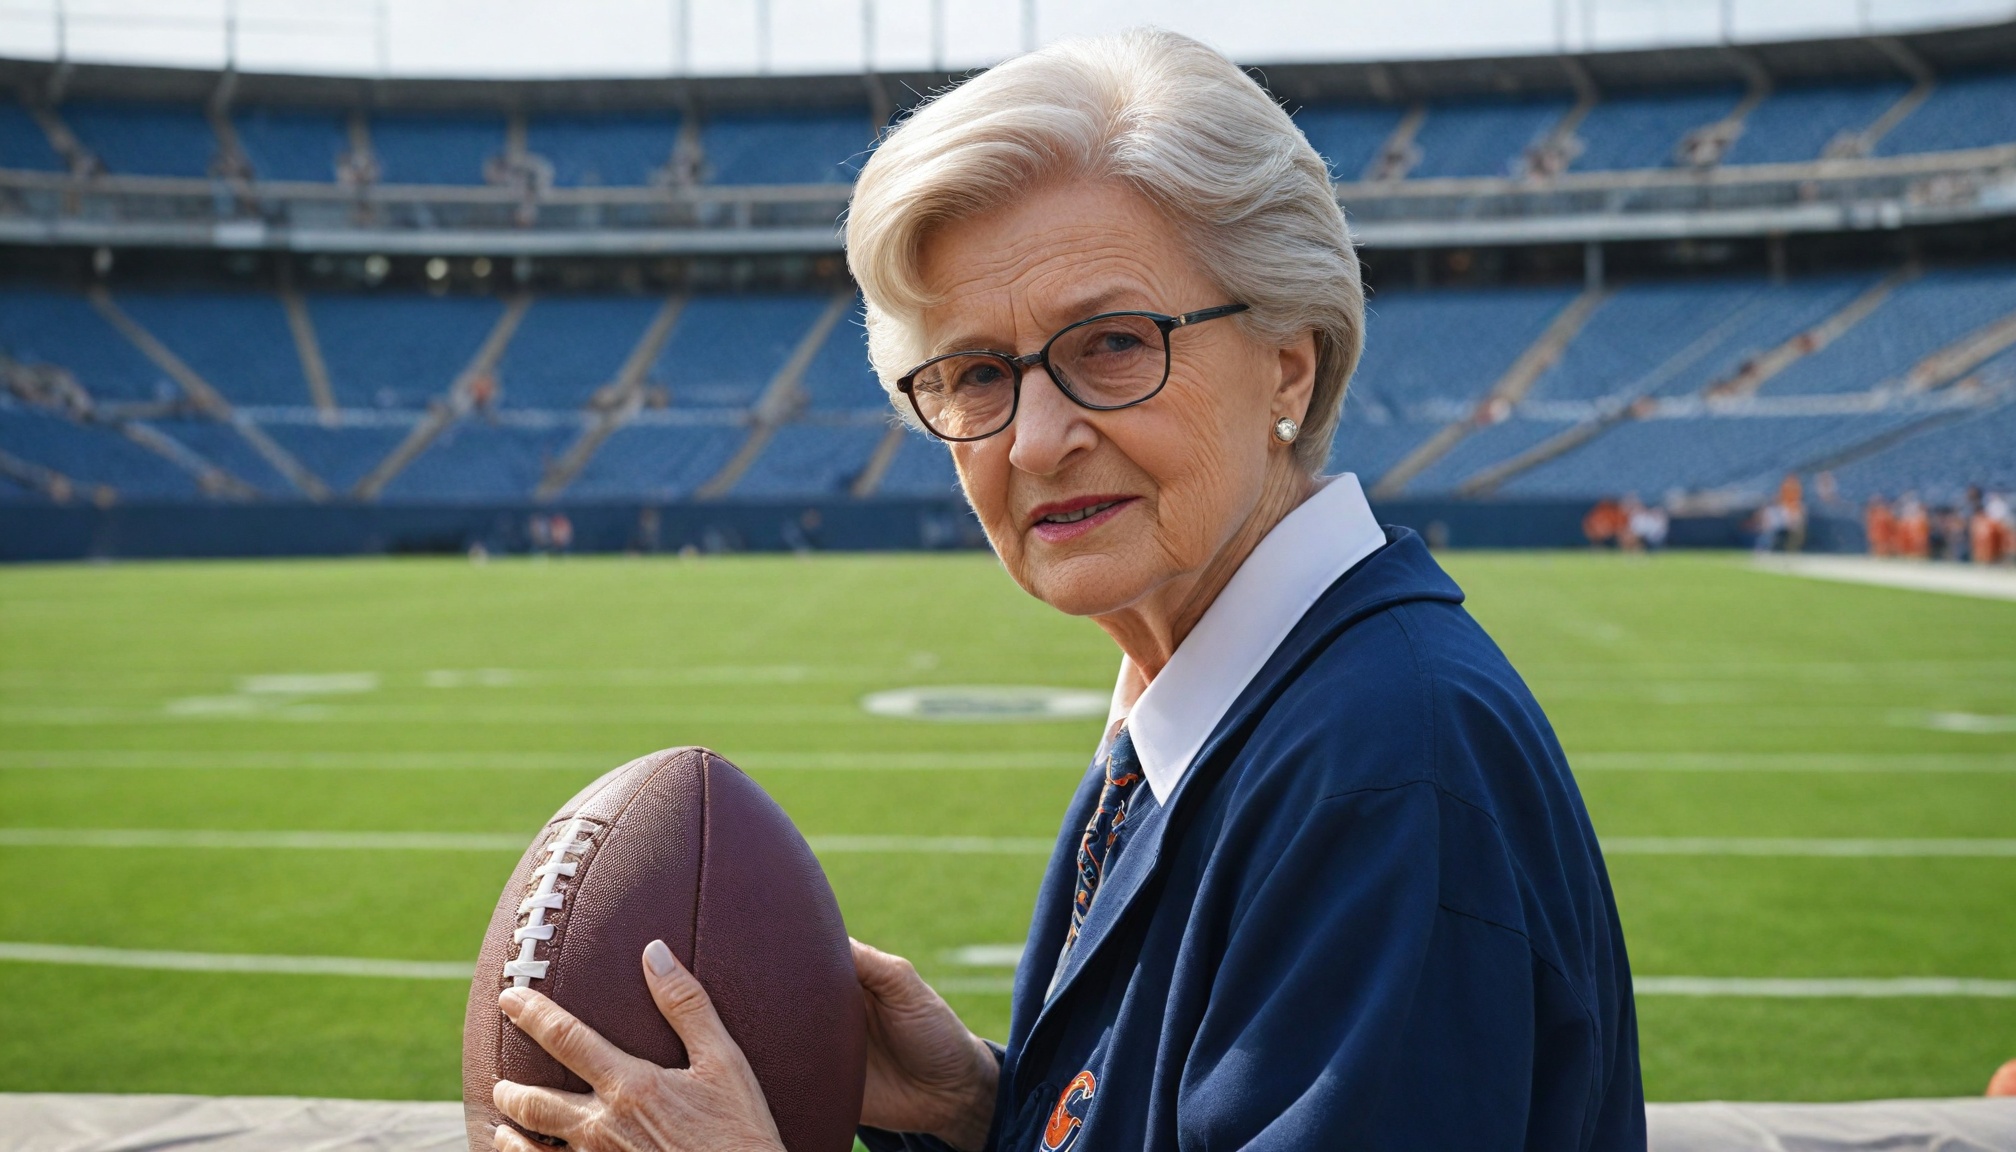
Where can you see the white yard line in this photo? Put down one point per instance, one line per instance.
(1787, 846)
(205, 838)
(1903, 762)
(533, 761)
(1918, 575)
(25, 953)
(1802, 989)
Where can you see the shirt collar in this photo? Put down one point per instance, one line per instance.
(1302, 556)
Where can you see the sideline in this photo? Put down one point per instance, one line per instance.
(1916, 575)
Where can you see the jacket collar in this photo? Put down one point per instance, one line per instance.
(1401, 571)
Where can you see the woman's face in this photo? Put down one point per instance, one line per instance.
(1170, 481)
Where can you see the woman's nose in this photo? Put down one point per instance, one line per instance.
(1049, 428)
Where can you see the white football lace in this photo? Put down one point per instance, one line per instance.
(572, 840)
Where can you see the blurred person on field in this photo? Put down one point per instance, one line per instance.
(1912, 534)
(1791, 506)
(1327, 881)
(2002, 519)
(1645, 525)
(1879, 527)
(1605, 524)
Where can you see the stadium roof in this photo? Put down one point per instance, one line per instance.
(1907, 54)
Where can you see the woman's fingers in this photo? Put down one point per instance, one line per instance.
(686, 1006)
(886, 977)
(504, 1139)
(543, 1110)
(567, 1039)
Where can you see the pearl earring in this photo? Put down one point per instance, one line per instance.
(1285, 430)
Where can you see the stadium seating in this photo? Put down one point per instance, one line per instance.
(612, 149)
(239, 342)
(23, 144)
(1348, 137)
(567, 347)
(51, 326)
(1482, 138)
(1963, 112)
(339, 456)
(810, 460)
(144, 139)
(292, 143)
(1411, 359)
(435, 147)
(922, 467)
(1797, 124)
(1643, 131)
(92, 455)
(1918, 319)
(1940, 461)
(785, 147)
(223, 445)
(398, 349)
(839, 379)
(657, 461)
(477, 461)
(724, 349)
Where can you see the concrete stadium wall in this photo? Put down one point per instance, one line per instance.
(41, 532)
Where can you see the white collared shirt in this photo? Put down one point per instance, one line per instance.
(1304, 554)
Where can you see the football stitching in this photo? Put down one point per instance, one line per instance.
(575, 838)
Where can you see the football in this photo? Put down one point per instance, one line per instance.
(678, 846)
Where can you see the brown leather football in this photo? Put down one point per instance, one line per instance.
(679, 846)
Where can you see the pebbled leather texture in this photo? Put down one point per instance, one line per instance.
(687, 849)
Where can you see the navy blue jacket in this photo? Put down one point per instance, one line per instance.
(1372, 916)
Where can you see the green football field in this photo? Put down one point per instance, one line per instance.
(1711, 712)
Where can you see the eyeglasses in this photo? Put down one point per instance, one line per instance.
(1110, 361)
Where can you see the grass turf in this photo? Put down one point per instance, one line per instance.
(1696, 697)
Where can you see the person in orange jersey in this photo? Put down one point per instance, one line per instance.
(1912, 535)
(1879, 524)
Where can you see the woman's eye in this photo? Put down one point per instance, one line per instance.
(980, 376)
(1115, 342)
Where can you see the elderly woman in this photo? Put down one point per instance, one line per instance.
(1328, 882)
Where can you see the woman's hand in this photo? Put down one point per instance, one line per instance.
(712, 1105)
(926, 1072)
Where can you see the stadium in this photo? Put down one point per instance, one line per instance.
(528, 378)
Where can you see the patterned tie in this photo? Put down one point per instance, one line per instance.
(1101, 843)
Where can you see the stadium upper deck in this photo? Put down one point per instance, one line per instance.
(478, 383)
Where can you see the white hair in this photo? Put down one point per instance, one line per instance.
(1169, 118)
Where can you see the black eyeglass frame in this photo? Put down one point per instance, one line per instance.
(1020, 364)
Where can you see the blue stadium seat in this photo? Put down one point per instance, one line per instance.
(1767, 321)
(1639, 330)
(238, 341)
(568, 346)
(1447, 344)
(49, 326)
(1642, 131)
(1918, 319)
(648, 460)
(93, 455)
(1939, 462)
(1967, 111)
(292, 143)
(398, 349)
(1654, 457)
(1370, 448)
(1796, 124)
(23, 144)
(839, 379)
(341, 456)
(810, 460)
(1348, 137)
(144, 139)
(922, 468)
(476, 461)
(222, 445)
(1482, 137)
(725, 349)
(785, 147)
(435, 147)
(613, 149)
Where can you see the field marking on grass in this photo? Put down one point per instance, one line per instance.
(25, 953)
(1786, 846)
(541, 761)
(1900, 987)
(1972, 723)
(1918, 576)
(210, 838)
(1990, 762)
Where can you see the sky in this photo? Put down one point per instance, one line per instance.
(738, 37)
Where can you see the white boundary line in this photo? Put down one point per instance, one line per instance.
(1915, 575)
(536, 761)
(1875, 762)
(234, 962)
(1787, 846)
(1800, 989)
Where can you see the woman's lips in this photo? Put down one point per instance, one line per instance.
(1068, 520)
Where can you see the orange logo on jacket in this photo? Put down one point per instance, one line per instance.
(1069, 1115)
